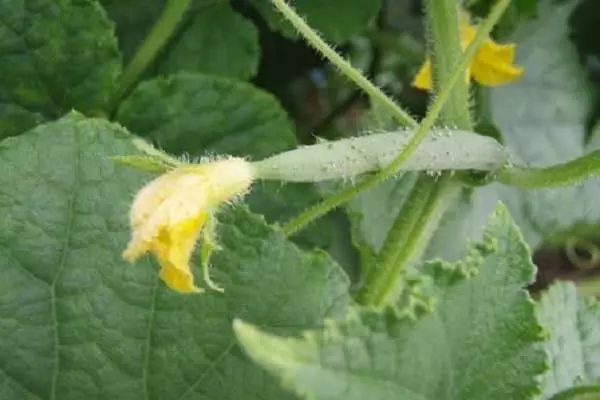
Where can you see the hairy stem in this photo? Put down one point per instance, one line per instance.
(445, 51)
(566, 174)
(408, 237)
(456, 73)
(344, 66)
(162, 30)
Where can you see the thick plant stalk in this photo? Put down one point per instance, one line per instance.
(408, 237)
(566, 174)
(443, 27)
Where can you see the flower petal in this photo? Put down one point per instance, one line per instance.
(168, 214)
(493, 64)
(173, 249)
(180, 281)
(423, 78)
(505, 52)
(176, 243)
(159, 204)
(151, 196)
(467, 34)
(135, 248)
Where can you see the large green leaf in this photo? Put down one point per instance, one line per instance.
(217, 41)
(482, 341)
(78, 322)
(200, 115)
(57, 55)
(211, 37)
(133, 20)
(574, 330)
(337, 20)
(465, 220)
(193, 113)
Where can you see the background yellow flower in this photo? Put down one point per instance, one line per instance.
(492, 64)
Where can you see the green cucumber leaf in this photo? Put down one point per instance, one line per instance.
(211, 37)
(76, 321)
(195, 113)
(574, 339)
(216, 41)
(133, 20)
(57, 55)
(481, 342)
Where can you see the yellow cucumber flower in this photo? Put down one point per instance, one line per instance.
(168, 214)
(492, 64)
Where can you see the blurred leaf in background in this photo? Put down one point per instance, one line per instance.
(56, 56)
(542, 120)
(573, 325)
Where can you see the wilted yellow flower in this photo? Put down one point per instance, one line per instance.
(168, 214)
(492, 64)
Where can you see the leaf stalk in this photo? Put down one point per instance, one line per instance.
(161, 32)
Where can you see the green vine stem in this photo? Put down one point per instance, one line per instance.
(445, 49)
(456, 74)
(161, 32)
(569, 173)
(344, 66)
(408, 237)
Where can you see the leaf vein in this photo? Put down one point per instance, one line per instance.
(151, 320)
(61, 264)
